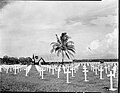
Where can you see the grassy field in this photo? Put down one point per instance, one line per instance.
(50, 83)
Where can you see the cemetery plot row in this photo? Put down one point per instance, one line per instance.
(110, 69)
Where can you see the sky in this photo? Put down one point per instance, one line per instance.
(28, 27)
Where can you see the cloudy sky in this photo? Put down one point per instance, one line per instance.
(28, 27)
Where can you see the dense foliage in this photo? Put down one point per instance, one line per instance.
(14, 60)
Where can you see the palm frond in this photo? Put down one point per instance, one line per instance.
(59, 51)
(52, 50)
(58, 40)
(71, 50)
(70, 42)
(70, 53)
(57, 48)
(56, 45)
(67, 55)
(71, 46)
(53, 43)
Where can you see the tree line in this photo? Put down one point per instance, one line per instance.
(95, 60)
(14, 60)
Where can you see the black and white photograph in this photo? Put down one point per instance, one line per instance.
(59, 46)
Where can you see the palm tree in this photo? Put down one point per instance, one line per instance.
(63, 46)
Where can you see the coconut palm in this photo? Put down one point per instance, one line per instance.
(63, 46)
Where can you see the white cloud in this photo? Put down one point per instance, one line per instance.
(23, 23)
(107, 20)
(108, 47)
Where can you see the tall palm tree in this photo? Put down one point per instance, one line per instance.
(63, 46)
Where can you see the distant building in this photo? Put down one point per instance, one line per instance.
(43, 59)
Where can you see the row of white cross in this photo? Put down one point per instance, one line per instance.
(16, 68)
(108, 67)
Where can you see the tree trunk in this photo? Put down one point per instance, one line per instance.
(62, 57)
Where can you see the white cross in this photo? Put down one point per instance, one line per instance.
(67, 72)
(42, 70)
(53, 70)
(15, 69)
(106, 69)
(28, 69)
(38, 69)
(11, 68)
(72, 69)
(84, 66)
(64, 68)
(49, 68)
(111, 81)
(92, 66)
(85, 73)
(114, 70)
(58, 69)
(96, 69)
(101, 70)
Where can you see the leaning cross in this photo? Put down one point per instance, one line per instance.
(28, 69)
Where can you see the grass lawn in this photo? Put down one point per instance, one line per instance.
(50, 83)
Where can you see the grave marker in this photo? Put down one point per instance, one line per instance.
(72, 69)
(15, 69)
(53, 71)
(114, 70)
(106, 69)
(42, 70)
(85, 73)
(111, 81)
(67, 72)
(28, 69)
(59, 69)
(96, 69)
(101, 70)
